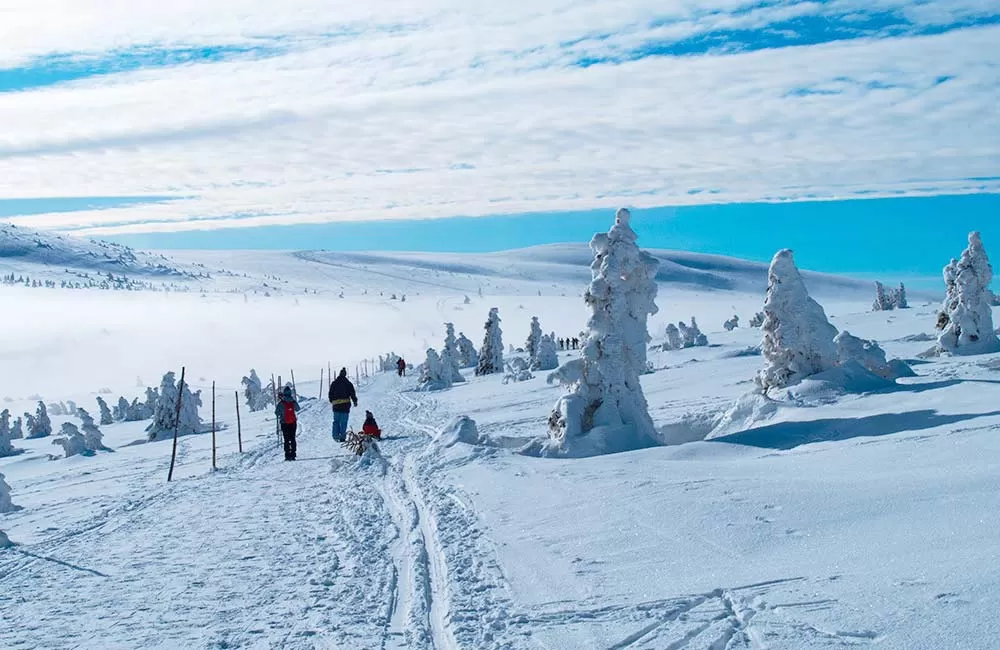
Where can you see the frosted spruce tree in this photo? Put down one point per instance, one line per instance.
(604, 409)
(691, 336)
(149, 407)
(16, 430)
(432, 373)
(798, 339)
(883, 301)
(899, 297)
(491, 354)
(40, 426)
(966, 320)
(106, 417)
(92, 435)
(6, 449)
(673, 338)
(71, 440)
(732, 324)
(190, 420)
(534, 336)
(451, 357)
(758, 320)
(165, 417)
(546, 356)
(467, 354)
(6, 505)
(253, 392)
(120, 412)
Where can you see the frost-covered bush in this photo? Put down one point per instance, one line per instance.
(691, 335)
(491, 354)
(468, 356)
(546, 356)
(6, 449)
(92, 435)
(798, 339)
(256, 398)
(6, 505)
(165, 418)
(673, 338)
(518, 369)
(534, 336)
(72, 441)
(106, 417)
(967, 318)
(732, 323)
(604, 409)
(451, 362)
(870, 356)
(40, 426)
(433, 375)
(757, 320)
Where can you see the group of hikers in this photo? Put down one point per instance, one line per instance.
(569, 343)
(342, 396)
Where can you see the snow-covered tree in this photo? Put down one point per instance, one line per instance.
(388, 363)
(468, 356)
(605, 402)
(491, 354)
(92, 435)
(757, 320)
(120, 412)
(106, 417)
(432, 373)
(798, 339)
(546, 356)
(71, 440)
(16, 430)
(69, 408)
(451, 362)
(6, 505)
(6, 449)
(534, 336)
(152, 397)
(883, 301)
(40, 426)
(467, 301)
(56, 408)
(899, 297)
(165, 417)
(967, 316)
(732, 323)
(253, 392)
(691, 335)
(673, 338)
(517, 370)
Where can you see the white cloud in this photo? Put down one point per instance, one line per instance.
(478, 111)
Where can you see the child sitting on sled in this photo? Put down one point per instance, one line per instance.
(370, 427)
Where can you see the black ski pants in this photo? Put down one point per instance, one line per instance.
(288, 435)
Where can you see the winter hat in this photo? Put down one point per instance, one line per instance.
(288, 391)
(343, 372)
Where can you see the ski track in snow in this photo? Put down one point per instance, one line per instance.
(330, 552)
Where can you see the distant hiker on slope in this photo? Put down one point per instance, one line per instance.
(401, 367)
(342, 395)
(285, 411)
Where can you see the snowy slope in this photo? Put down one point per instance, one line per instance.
(842, 520)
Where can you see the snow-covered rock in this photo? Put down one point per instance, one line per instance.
(967, 318)
(604, 409)
(798, 339)
(491, 354)
(462, 429)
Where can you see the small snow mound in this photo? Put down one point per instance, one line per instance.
(749, 411)
(372, 458)
(5, 541)
(461, 429)
(848, 377)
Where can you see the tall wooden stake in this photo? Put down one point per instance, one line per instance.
(321, 383)
(329, 375)
(295, 390)
(213, 427)
(239, 432)
(177, 424)
(274, 394)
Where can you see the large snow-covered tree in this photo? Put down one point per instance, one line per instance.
(546, 355)
(16, 430)
(433, 375)
(967, 318)
(798, 338)
(92, 435)
(491, 354)
(6, 449)
(604, 403)
(467, 353)
(120, 411)
(6, 505)
(165, 417)
(106, 417)
(451, 357)
(253, 392)
(40, 426)
(534, 336)
(883, 301)
(71, 440)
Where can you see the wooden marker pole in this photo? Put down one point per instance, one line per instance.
(274, 395)
(214, 467)
(239, 432)
(321, 383)
(177, 424)
(295, 390)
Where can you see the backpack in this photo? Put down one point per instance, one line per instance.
(288, 412)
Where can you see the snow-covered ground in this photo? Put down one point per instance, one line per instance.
(860, 520)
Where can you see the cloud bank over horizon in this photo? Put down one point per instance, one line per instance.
(242, 113)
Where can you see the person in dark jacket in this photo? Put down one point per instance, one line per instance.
(342, 396)
(285, 410)
(401, 367)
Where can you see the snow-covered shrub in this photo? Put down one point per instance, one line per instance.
(16, 430)
(870, 355)
(518, 369)
(6, 505)
(72, 441)
(256, 398)
(534, 336)
(467, 301)
(673, 338)
(546, 357)
(967, 318)
(106, 417)
(757, 320)
(165, 417)
(6, 449)
(451, 362)
(798, 339)
(92, 435)
(468, 356)
(358, 443)
(604, 409)
(432, 373)
(691, 336)
(732, 323)
(40, 426)
(491, 354)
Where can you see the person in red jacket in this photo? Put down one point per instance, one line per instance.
(285, 409)
(401, 367)
(370, 427)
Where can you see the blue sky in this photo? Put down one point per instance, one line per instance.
(253, 119)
